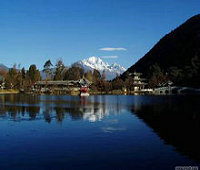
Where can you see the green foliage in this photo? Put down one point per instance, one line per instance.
(186, 76)
(48, 64)
(59, 70)
(74, 73)
(23, 72)
(89, 76)
(2, 75)
(176, 75)
(192, 73)
(96, 76)
(156, 76)
(117, 84)
(12, 78)
(177, 54)
(96, 79)
(47, 69)
(129, 83)
(33, 75)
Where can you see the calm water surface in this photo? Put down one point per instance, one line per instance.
(99, 132)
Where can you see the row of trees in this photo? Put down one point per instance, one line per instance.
(75, 72)
(17, 78)
(186, 76)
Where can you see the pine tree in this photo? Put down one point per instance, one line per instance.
(47, 69)
(33, 74)
(59, 70)
(88, 75)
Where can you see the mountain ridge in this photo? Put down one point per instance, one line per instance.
(176, 49)
(3, 67)
(182, 36)
(97, 63)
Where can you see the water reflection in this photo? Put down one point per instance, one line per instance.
(21, 107)
(176, 120)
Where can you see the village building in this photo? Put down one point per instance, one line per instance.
(2, 85)
(66, 86)
(138, 82)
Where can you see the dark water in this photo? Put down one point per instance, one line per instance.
(99, 132)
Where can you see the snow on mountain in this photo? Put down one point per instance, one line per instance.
(97, 63)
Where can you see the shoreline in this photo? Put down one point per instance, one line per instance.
(113, 92)
(94, 93)
(74, 93)
(9, 91)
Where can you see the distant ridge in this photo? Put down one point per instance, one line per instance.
(3, 67)
(175, 49)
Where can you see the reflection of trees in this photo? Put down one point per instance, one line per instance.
(16, 106)
(16, 112)
(82, 109)
(19, 98)
(92, 109)
(47, 110)
(177, 122)
(32, 111)
(60, 114)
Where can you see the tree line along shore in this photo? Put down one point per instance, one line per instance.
(16, 79)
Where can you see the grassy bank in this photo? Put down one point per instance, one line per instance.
(9, 91)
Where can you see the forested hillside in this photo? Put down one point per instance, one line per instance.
(176, 57)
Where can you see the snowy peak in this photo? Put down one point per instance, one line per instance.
(116, 67)
(93, 62)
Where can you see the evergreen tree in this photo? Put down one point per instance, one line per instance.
(33, 75)
(3, 75)
(117, 84)
(47, 69)
(23, 72)
(59, 70)
(96, 76)
(88, 75)
(11, 78)
(74, 73)
(156, 76)
(102, 82)
(23, 77)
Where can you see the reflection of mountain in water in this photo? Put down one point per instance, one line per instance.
(26, 107)
(176, 120)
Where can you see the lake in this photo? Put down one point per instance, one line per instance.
(99, 132)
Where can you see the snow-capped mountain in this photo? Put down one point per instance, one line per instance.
(97, 63)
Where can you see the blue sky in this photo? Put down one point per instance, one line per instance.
(33, 31)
